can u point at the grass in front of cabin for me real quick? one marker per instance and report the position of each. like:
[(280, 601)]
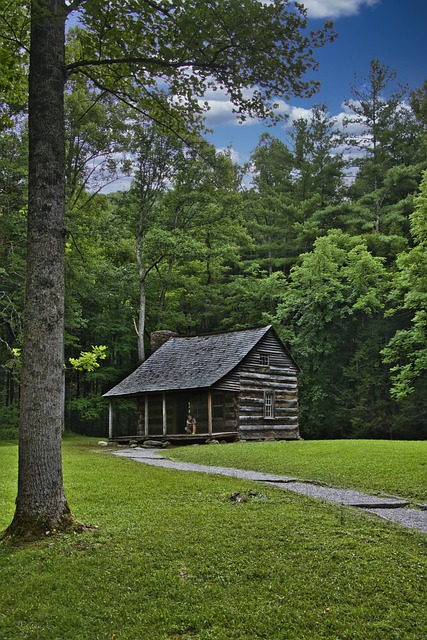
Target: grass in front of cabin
[(174, 558), (375, 466)]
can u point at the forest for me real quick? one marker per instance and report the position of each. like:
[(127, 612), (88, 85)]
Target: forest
[(322, 235)]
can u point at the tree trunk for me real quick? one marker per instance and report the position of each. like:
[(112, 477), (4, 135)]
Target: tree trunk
[(41, 503), (162, 301), (141, 315), (143, 272)]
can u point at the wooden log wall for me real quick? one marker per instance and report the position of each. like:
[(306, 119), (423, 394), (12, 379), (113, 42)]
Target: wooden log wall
[(268, 368), (239, 397)]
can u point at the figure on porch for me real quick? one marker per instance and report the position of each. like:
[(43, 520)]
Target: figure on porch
[(190, 425)]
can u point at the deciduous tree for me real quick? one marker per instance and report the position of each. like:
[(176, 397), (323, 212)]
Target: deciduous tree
[(157, 155), (407, 350), (14, 48), (325, 304), (161, 56)]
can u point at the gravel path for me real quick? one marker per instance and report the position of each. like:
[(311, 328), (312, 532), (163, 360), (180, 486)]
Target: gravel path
[(387, 507)]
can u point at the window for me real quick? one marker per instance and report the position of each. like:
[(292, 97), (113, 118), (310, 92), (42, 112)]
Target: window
[(268, 404), (217, 405), (264, 359)]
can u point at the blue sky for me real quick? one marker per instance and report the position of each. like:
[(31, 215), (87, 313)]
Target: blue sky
[(394, 31)]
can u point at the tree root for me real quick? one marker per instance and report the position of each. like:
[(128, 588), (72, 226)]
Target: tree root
[(22, 530)]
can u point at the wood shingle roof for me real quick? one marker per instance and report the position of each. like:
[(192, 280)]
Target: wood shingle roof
[(190, 362)]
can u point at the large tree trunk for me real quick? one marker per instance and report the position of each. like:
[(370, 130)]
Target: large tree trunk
[(41, 503)]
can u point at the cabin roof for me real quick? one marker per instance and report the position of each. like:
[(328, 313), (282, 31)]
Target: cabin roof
[(190, 362)]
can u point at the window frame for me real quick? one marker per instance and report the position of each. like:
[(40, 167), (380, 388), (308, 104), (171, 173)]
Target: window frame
[(264, 359), (269, 404)]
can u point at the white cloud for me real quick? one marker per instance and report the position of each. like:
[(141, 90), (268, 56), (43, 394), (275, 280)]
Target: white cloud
[(347, 121), (293, 113), (220, 112), (236, 156), (336, 8)]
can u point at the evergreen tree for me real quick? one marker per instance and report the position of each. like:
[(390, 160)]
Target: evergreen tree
[(318, 160), (269, 208)]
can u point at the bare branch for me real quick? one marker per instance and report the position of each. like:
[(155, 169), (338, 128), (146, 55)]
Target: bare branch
[(136, 327)]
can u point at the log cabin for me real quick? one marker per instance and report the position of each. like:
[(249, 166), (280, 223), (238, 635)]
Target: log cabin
[(237, 385)]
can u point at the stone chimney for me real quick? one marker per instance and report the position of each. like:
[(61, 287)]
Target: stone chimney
[(157, 338)]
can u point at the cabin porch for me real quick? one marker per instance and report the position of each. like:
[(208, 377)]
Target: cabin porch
[(177, 439), (162, 417)]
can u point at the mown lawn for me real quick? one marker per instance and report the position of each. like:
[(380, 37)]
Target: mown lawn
[(175, 558), (376, 466)]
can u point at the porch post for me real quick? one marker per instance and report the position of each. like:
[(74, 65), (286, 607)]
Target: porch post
[(146, 414), (164, 415), (110, 419), (210, 412)]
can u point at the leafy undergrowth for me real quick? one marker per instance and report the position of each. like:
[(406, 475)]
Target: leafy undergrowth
[(178, 556), (376, 466)]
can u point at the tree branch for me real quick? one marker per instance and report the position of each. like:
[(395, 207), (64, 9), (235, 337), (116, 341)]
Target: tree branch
[(136, 327), (73, 6), (157, 62), (12, 35), (127, 100), (156, 7)]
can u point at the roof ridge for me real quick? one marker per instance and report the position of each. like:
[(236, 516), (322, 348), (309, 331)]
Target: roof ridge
[(204, 362), (222, 333)]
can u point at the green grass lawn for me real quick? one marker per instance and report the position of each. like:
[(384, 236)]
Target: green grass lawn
[(376, 466), (174, 558)]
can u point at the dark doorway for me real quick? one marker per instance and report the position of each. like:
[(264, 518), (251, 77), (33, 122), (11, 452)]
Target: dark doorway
[(181, 405)]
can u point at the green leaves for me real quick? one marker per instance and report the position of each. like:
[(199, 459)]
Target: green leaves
[(88, 360), (323, 309), (407, 350), (319, 165), (339, 271), (182, 50), (14, 47)]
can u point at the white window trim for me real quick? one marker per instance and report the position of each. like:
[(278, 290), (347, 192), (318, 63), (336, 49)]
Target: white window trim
[(269, 404)]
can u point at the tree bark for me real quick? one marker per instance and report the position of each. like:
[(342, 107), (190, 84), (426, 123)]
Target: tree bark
[(141, 315), (41, 503)]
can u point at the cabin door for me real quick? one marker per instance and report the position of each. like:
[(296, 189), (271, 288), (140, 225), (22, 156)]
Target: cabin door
[(181, 411)]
